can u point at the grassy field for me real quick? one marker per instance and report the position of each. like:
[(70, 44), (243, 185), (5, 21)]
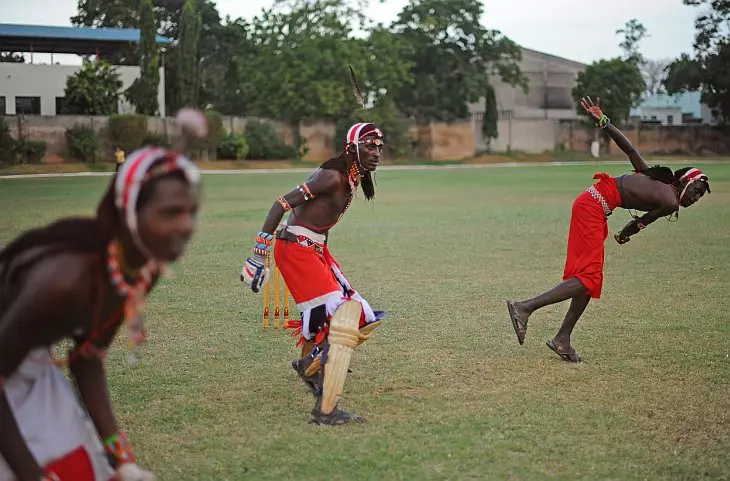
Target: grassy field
[(447, 391)]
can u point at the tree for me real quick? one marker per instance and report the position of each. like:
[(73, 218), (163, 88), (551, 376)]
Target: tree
[(143, 91), (168, 15), (654, 73), (617, 82), (709, 70), (93, 90), (188, 54), (11, 57), (634, 32), (452, 55), (490, 122)]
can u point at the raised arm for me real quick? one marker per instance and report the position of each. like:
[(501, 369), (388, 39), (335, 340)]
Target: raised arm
[(594, 110)]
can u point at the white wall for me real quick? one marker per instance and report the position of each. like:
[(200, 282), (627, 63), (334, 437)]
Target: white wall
[(49, 82), (662, 114)]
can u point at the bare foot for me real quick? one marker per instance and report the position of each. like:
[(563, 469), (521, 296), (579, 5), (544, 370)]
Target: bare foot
[(519, 316)]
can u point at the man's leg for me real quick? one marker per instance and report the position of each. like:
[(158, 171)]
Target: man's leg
[(561, 342), (520, 311), (342, 340)]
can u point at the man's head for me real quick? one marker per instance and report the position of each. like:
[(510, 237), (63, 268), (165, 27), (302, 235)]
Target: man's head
[(364, 144), (693, 183), (157, 196)]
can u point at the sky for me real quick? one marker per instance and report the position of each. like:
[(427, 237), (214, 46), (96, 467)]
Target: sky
[(581, 30)]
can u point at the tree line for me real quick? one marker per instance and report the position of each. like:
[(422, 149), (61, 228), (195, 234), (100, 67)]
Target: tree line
[(289, 62)]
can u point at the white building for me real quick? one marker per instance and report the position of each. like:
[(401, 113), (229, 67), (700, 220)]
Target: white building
[(38, 89), (679, 109)]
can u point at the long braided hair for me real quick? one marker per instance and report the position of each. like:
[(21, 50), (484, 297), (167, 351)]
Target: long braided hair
[(339, 164), (667, 176)]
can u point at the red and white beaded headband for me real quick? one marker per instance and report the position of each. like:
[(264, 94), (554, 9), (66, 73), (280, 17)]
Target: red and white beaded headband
[(692, 175), (137, 170)]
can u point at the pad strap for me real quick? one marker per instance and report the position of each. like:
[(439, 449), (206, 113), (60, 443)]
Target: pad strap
[(120, 448), (263, 243)]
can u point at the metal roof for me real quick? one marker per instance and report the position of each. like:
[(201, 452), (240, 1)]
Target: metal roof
[(76, 40)]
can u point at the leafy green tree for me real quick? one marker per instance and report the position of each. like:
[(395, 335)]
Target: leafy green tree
[(187, 67), (709, 70), (93, 90), (634, 32), (617, 82), (143, 92), (490, 122), (452, 55)]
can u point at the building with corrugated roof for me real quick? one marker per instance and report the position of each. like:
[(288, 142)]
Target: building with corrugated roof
[(38, 89)]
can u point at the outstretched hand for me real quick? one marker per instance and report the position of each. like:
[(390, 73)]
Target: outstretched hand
[(594, 110)]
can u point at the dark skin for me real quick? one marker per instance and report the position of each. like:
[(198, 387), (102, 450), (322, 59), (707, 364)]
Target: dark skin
[(166, 223), (331, 190), (639, 192)]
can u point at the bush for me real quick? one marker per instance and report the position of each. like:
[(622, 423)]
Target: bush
[(127, 132), (233, 146), (158, 140), (82, 143), (7, 143), (207, 147), (264, 142), (30, 151)]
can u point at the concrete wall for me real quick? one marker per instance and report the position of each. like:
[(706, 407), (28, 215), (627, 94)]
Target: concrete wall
[(452, 141), (49, 82), (550, 83), (540, 135)]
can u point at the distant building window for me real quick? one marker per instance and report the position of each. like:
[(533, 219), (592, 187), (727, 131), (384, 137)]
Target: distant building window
[(670, 119), (27, 105), (3, 109), (60, 105)]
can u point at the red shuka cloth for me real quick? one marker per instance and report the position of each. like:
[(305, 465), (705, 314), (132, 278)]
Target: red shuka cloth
[(587, 235)]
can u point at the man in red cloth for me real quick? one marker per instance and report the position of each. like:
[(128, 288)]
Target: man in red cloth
[(313, 277), (657, 191)]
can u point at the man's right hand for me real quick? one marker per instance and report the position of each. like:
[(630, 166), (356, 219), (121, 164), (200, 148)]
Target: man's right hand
[(255, 273)]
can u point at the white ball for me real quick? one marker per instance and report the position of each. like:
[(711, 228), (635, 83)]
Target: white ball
[(193, 121)]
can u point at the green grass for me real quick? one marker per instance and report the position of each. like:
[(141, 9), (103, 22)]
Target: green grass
[(447, 391)]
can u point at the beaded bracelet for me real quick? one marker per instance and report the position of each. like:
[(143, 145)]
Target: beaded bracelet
[(283, 203), (263, 244), (306, 191), (120, 448), (604, 121)]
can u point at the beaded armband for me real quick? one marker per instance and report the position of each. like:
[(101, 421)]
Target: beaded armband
[(263, 244), (120, 448), (305, 191), (604, 121), (283, 203)]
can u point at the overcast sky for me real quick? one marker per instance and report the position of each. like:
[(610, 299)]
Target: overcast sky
[(582, 30)]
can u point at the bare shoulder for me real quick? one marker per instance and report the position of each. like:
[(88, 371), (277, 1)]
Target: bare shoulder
[(324, 181), (61, 277)]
